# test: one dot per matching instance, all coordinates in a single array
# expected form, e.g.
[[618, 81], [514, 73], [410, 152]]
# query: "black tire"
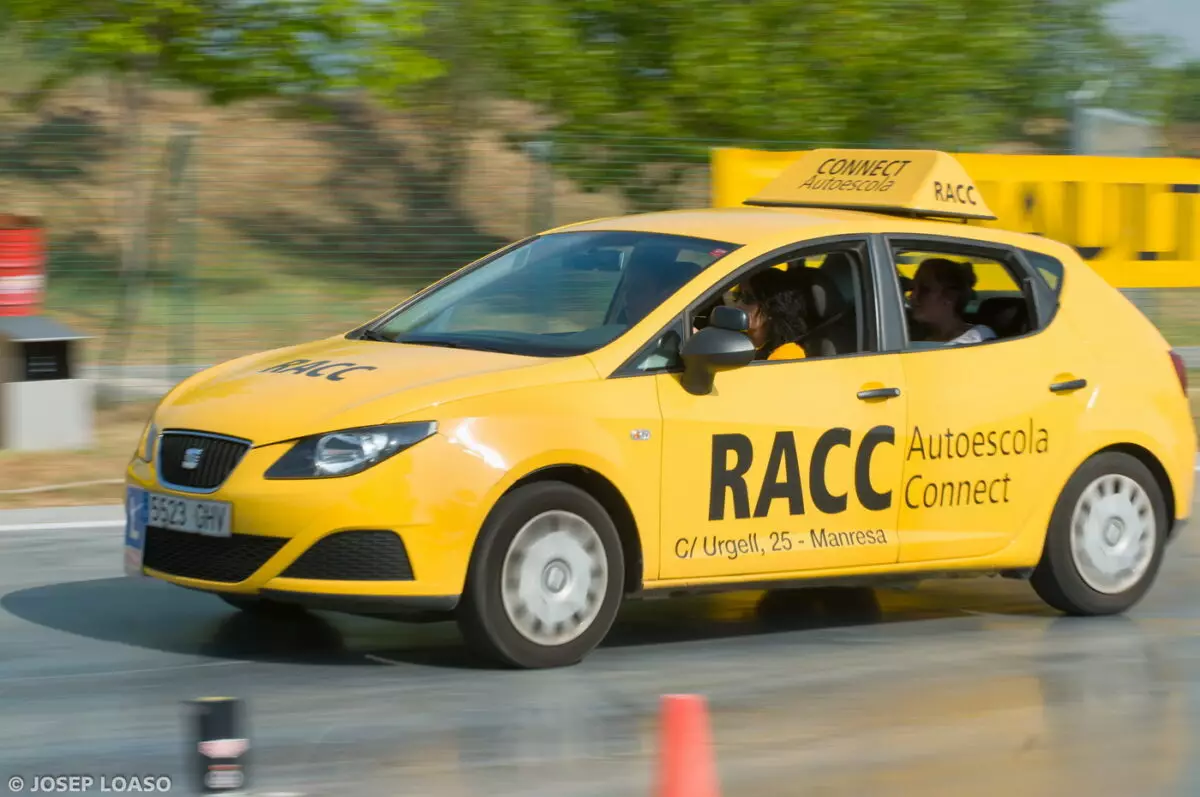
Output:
[[482, 618], [1057, 578], [252, 604]]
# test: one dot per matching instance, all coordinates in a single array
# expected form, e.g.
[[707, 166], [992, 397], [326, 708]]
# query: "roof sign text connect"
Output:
[[913, 182]]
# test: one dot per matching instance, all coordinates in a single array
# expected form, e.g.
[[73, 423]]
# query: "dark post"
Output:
[[218, 754]]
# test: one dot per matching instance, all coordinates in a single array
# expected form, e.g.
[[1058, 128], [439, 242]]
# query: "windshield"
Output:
[[557, 295]]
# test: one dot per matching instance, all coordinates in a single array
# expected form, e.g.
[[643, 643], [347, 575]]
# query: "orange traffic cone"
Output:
[[686, 766]]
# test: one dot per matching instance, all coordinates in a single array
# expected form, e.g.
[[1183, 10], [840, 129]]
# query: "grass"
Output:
[[117, 431]]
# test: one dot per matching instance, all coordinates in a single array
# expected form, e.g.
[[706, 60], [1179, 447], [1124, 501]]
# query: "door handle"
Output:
[[1066, 387], [879, 392]]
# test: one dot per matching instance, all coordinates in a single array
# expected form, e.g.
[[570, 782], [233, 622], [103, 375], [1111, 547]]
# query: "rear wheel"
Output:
[[1105, 543], [546, 578]]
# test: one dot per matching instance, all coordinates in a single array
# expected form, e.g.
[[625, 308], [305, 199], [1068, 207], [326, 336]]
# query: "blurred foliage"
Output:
[[1184, 102], [231, 49], [956, 74], [666, 76]]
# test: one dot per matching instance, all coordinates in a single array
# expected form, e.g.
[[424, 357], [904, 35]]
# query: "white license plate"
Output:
[[190, 515]]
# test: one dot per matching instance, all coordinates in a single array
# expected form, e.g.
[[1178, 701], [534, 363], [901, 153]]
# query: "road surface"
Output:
[[969, 687]]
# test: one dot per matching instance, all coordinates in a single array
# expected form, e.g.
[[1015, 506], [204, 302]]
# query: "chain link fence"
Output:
[[262, 232]]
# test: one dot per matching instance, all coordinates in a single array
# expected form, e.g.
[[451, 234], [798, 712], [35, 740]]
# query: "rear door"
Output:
[[990, 425]]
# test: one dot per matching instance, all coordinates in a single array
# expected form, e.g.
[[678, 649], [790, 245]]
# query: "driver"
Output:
[[777, 310]]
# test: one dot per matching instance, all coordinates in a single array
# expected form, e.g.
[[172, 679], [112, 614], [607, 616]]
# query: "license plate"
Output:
[[136, 503], [187, 515], [190, 515]]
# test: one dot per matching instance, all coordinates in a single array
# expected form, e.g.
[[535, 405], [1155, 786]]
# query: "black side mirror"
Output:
[[720, 346], [725, 317]]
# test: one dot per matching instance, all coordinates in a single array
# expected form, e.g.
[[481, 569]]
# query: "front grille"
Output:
[[354, 556], [226, 559], [217, 458]]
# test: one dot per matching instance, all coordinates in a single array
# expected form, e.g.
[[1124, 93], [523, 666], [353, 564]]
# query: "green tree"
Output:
[[231, 50], [956, 74], [1183, 103]]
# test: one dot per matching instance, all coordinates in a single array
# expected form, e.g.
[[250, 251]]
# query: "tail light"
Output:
[[1180, 370]]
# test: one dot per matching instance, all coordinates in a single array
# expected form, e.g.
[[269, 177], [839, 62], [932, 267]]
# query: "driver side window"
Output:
[[806, 304], [809, 303]]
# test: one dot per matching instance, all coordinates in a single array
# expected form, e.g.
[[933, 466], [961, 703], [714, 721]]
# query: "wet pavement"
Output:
[[956, 688]]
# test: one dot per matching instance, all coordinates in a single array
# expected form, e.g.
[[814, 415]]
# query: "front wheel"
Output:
[[546, 578], [1106, 538]]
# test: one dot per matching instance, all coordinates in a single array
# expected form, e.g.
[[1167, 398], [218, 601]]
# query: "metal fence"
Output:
[[262, 232]]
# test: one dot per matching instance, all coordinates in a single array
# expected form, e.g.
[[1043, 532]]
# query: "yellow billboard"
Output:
[[1136, 221]]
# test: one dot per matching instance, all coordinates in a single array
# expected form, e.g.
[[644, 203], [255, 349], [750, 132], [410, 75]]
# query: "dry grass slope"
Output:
[[302, 229]]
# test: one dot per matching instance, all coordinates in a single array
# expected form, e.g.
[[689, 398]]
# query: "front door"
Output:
[[787, 466]]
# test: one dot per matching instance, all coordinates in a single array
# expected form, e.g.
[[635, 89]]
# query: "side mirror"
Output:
[[721, 346], [731, 318]]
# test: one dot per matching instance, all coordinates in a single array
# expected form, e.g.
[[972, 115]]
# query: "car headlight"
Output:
[[347, 452], [145, 449]]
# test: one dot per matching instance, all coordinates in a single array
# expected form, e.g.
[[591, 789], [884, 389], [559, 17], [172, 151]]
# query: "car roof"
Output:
[[841, 191], [777, 226]]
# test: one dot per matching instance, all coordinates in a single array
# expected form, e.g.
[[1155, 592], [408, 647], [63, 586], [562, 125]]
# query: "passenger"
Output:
[[941, 291], [777, 310]]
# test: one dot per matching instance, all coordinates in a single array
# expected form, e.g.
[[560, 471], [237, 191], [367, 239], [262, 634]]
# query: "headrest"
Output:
[[822, 292], [1007, 315]]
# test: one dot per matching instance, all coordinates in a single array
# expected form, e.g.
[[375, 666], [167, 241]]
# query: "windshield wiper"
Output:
[[451, 344], [447, 344], [370, 334]]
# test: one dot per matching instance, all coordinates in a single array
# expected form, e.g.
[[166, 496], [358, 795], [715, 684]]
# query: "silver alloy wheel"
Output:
[[1113, 533], [554, 578]]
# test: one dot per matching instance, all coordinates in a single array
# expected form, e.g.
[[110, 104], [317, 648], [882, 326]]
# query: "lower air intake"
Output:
[[225, 559], [354, 556]]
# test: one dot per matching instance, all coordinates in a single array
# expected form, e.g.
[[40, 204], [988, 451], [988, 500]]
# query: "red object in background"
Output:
[[22, 269]]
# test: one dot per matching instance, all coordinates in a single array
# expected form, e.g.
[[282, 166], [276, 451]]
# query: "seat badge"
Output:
[[191, 458], [640, 434]]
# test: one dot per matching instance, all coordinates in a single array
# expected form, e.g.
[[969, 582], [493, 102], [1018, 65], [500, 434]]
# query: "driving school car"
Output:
[[581, 418]]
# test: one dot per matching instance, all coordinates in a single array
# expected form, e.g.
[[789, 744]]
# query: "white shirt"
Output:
[[976, 334]]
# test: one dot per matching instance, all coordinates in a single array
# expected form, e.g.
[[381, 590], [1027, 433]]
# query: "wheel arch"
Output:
[[610, 497]]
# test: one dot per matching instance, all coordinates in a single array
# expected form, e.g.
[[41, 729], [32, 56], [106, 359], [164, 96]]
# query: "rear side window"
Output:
[[1049, 267]]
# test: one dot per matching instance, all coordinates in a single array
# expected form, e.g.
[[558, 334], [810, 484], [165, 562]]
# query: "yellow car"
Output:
[[842, 381]]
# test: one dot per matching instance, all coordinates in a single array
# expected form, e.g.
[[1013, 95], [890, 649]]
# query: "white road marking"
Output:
[[75, 524], [109, 673], [380, 659]]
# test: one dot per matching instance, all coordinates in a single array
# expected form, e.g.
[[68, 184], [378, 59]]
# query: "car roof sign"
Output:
[[905, 182]]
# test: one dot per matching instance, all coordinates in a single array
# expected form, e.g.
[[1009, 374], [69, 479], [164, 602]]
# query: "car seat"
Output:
[[1008, 316], [833, 327]]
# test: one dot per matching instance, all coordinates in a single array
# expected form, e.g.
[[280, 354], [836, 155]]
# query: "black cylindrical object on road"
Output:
[[220, 747]]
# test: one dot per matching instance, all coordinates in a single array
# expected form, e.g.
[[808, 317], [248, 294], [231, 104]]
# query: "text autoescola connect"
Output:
[[919, 493]]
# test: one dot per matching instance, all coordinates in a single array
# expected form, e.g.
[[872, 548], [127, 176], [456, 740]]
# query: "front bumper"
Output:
[[389, 540]]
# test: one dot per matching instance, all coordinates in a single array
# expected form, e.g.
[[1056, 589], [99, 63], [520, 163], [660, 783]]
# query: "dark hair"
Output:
[[957, 279], [783, 303]]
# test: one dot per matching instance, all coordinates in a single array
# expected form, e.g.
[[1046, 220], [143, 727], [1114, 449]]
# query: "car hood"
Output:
[[339, 383]]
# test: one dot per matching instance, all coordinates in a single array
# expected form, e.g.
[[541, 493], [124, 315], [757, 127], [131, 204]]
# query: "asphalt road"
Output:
[[969, 687]]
